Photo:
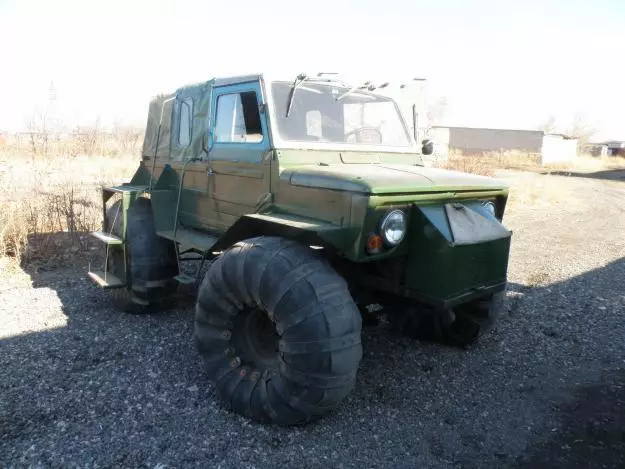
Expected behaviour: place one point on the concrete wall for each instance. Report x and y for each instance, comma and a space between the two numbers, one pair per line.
557, 149
476, 141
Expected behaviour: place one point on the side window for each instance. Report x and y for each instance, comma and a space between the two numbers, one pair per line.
238, 118
184, 125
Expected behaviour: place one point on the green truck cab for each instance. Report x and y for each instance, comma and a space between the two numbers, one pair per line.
305, 202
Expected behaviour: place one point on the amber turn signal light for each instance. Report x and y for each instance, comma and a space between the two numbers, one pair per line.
374, 244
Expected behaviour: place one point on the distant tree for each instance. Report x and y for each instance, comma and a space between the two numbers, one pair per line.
38, 131
582, 130
437, 111
548, 125
42, 124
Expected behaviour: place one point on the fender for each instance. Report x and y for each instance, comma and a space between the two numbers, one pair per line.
305, 230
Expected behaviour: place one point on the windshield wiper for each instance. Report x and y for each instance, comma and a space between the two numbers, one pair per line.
366, 85
354, 88
298, 81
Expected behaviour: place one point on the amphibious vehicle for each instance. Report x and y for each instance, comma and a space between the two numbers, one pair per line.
305, 202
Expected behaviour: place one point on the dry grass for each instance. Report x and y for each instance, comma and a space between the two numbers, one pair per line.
56, 199
89, 141
46, 195
487, 163
479, 166
538, 193
586, 163
528, 191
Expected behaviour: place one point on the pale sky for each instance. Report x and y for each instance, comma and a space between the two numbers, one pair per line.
499, 63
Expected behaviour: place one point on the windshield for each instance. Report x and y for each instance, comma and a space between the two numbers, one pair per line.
315, 115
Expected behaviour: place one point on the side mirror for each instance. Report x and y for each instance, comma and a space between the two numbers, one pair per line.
428, 147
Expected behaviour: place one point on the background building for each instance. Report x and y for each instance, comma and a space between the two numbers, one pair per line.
470, 141
610, 148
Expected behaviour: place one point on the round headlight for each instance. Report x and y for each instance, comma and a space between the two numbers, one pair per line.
393, 228
490, 206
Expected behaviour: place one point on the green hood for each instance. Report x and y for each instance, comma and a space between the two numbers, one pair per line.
386, 178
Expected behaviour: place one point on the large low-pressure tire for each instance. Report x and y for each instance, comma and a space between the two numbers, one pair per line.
151, 259
278, 331
462, 328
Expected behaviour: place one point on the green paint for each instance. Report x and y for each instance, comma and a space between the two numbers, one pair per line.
332, 193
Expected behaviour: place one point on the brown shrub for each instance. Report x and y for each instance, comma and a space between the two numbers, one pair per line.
465, 164
47, 195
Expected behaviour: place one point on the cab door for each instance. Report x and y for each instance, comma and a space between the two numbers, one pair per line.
239, 164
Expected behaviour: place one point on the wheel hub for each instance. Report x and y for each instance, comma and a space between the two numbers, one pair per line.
256, 339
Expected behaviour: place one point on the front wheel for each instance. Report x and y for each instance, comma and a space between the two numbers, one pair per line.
278, 331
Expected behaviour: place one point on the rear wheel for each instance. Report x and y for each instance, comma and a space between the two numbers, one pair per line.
461, 326
278, 331
151, 259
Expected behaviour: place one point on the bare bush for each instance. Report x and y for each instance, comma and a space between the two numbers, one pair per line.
87, 139
474, 165
55, 195
38, 132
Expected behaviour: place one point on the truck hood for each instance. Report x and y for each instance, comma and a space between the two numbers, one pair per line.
386, 178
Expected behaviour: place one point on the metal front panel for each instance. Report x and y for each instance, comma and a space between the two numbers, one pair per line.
437, 268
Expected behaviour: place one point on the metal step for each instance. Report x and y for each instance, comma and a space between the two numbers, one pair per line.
192, 238
106, 238
106, 279
184, 279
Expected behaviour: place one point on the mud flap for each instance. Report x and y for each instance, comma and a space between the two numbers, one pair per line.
469, 226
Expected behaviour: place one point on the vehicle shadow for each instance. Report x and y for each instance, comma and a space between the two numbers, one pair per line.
556, 357
592, 430
93, 370
71, 367
608, 174
589, 424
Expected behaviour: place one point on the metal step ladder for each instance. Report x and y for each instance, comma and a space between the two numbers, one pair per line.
103, 277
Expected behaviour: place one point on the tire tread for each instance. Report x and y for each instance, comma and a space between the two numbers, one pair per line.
312, 308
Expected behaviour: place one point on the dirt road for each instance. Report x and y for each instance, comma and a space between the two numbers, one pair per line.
82, 385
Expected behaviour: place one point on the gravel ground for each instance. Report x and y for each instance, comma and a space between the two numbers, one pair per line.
82, 385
